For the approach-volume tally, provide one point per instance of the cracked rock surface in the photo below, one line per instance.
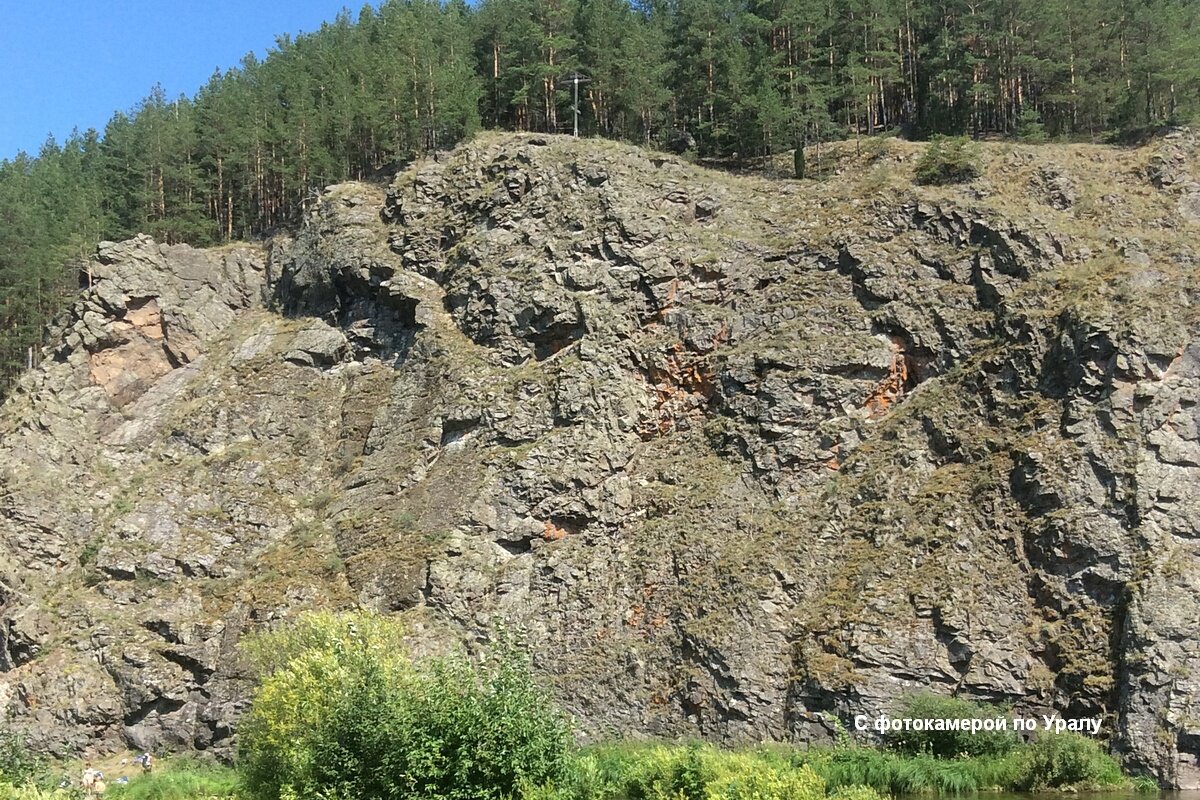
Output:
(736, 458)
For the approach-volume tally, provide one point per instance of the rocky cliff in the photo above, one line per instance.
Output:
(736, 457)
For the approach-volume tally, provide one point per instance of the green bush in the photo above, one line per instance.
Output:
(742, 776)
(629, 771)
(348, 716)
(1055, 761)
(583, 779)
(632, 771)
(855, 793)
(659, 773)
(18, 764)
(950, 744)
(322, 632)
(948, 159)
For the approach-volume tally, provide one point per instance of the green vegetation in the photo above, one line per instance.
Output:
(342, 712)
(895, 773)
(18, 764)
(348, 715)
(950, 744)
(172, 779)
(179, 780)
(727, 79)
(1068, 759)
(948, 159)
(686, 772)
(628, 771)
(31, 792)
(1030, 127)
(958, 762)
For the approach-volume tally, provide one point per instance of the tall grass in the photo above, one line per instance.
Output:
(32, 792)
(687, 772)
(179, 780)
(892, 773)
(630, 771)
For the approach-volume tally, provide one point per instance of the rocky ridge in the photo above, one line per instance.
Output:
(736, 457)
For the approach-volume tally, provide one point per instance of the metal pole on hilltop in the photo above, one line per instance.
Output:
(576, 79)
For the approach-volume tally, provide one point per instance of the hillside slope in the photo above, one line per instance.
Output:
(737, 458)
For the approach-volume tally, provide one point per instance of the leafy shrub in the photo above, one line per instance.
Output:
(654, 773)
(1060, 760)
(950, 744)
(855, 793)
(691, 772)
(631, 771)
(18, 764)
(583, 779)
(546, 791)
(348, 716)
(742, 776)
(948, 159)
(323, 631)
(89, 552)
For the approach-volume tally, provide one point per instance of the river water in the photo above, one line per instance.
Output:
(1119, 795)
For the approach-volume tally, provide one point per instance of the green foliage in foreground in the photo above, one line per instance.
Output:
(179, 780)
(895, 773)
(954, 743)
(627, 771)
(18, 764)
(30, 791)
(1068, 759)
(642, 771)
(1054, 761)
(349, 716)
(172, 779)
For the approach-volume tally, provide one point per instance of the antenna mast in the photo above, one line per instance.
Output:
(576, 79)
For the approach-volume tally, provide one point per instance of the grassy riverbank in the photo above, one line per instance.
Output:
(626, 771)
(647, 771)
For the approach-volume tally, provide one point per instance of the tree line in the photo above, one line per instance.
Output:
(726, 78)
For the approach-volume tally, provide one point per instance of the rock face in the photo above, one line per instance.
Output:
(735, 458)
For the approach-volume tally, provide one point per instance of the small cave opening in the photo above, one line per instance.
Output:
(454, 430)
(561, 526)
(516, 547)
(1187, 748)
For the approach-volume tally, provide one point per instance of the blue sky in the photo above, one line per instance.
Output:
(68, 63)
